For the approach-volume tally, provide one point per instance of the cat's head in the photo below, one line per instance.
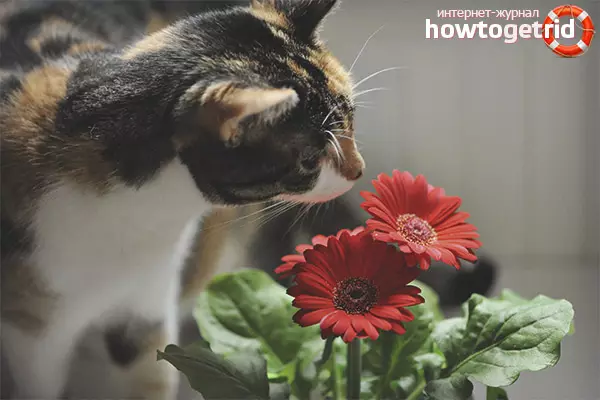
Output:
(248, 99)
(271, 114)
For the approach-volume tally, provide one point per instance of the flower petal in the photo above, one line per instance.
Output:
(361, 324)
(319, 239)
(307, 318)
(445, 207)
(386, 312)
(349, 335)
(374, 224)
(284, 270)
(313, 284)
(402, 300)
(301, 248)
(424, 262)
(398, 328)
(312, 302)
(341, 325)
(378, 322)
(331, 319)
(382, 215)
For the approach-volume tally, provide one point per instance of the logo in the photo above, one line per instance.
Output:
(553, 34)
(551, 29)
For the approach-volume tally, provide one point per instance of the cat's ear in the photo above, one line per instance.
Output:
(223, 105)
(305, 15)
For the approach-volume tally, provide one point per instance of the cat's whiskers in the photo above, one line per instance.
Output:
(363, 92)
(362, 49)
(336, 122)
(288, 206)
(337, 152)
(336, 145)
(303, 212)
(330, 114)
(374, 74)
(265, 212)
(349, 138)
(262, 210)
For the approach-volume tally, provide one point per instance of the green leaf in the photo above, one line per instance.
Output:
(391, 357)
(512, 297)
(243, 376)
(279, 391)
(453, 388)
(509, 295)
(431, 364)
(248, 310)
(496, 393)
(449, 335)
(432, 302)
(332, 376)
(309, 365)
(498, 339)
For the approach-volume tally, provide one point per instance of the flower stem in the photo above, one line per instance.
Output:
(415, 394)
(354, 370)
(327, 350)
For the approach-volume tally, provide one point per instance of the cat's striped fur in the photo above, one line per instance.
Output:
(110, 150)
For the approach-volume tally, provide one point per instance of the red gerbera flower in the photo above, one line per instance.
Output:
(285, 269)
(353, 287)
(421, 219)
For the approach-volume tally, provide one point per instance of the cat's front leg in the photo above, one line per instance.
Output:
(150, 324)
(38, 360)
(151, 379)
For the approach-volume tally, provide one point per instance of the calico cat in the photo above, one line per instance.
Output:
(111, 153)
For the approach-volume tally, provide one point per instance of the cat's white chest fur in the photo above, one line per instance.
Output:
(103, 253)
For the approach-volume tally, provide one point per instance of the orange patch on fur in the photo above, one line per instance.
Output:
(86, 47)
(209, 247)
(35, 105)
(48, 29)
(353, 163)
(294, 66)
(269, 14)
(156, 22)
(338, 79)
(149, 44)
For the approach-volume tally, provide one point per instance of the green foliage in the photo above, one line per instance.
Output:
(393, 357)
(247, 310)
(499, 339)
(260, 353)
(496, 393)
(243, 375)
(452, 388)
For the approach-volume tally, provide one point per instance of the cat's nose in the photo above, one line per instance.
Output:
(357, 176)
(353, 166)
(353, 173)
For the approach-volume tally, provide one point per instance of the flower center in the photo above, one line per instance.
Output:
(415, 229)
(355, 295)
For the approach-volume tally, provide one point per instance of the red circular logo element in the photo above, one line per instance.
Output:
(587, 26)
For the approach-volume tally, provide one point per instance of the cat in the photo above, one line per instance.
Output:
(110, 154)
